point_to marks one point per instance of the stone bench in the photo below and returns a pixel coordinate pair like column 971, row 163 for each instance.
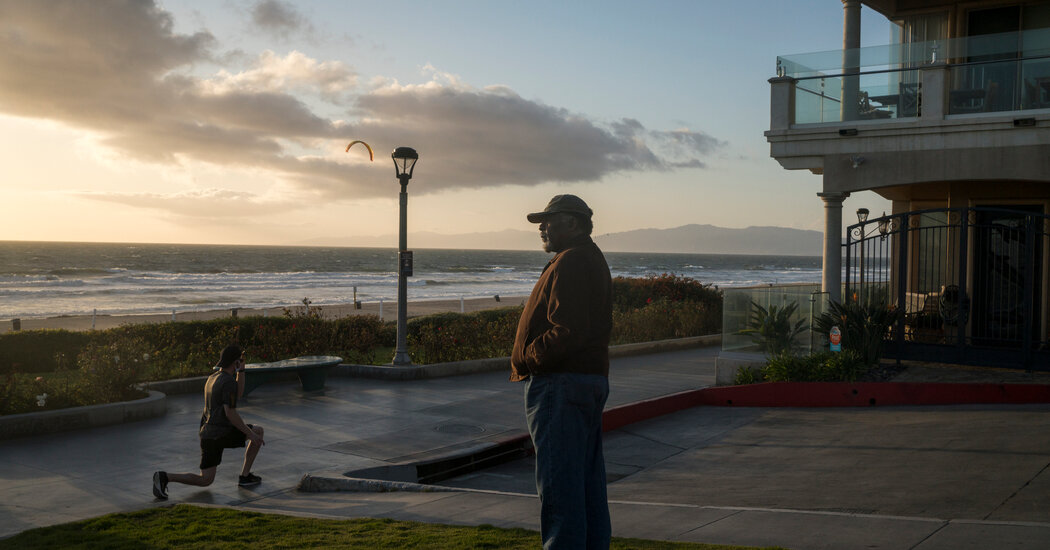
column 312, row 371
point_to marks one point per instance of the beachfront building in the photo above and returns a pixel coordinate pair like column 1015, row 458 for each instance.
column 951, row 123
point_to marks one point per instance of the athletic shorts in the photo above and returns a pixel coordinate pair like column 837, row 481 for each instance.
column 211, row 449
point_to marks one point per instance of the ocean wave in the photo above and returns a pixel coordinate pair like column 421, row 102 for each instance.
column 19, row 280
column 83, row 271
column 46, row 279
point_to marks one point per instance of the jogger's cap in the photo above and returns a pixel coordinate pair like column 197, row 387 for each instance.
column 229, row 355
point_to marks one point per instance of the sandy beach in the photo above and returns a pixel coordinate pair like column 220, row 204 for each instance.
column 389, row 313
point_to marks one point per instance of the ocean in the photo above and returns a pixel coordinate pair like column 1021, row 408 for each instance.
column 47, row 279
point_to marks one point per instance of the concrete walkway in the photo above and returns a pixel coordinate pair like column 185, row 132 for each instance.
column 894, row 477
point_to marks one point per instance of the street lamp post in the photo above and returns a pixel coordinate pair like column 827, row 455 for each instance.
column 404, row 162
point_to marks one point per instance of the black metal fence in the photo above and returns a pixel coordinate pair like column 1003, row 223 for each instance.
column 973, row 283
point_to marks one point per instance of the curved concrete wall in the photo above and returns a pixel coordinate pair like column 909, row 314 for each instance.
column 77, row 418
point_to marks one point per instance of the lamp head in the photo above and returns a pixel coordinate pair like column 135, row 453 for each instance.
column 862, row 215
column 404, row 161
column 884, row 224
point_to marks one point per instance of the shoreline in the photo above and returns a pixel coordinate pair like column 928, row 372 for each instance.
column 416, row 308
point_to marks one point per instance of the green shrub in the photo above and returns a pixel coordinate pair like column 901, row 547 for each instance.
column 109, row 369
column 35, row 350
column 747, row 375
column 105, row 371
column 456, row 337
column 388, row 334
column 664, row 319
column 182, row 349
column 447, row 337
column 15, row 393
column 664, row 306
column 636, row 292
column 847, row 365
column 863, row 326
column 823, row 366
column 273, row 340
column 358, row 336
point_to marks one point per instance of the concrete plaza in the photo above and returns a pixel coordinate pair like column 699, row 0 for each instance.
column 878, row 477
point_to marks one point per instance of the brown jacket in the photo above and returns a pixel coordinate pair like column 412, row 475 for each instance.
column 566, row 323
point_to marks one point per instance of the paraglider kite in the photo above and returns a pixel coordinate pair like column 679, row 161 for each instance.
column 371, row 157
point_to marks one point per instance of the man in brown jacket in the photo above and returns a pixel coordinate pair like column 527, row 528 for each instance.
column 561, row 351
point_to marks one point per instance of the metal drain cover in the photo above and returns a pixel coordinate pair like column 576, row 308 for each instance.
column 459, row 429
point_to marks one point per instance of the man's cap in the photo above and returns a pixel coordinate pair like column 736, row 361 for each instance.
column 230, row 354
column 562, row 204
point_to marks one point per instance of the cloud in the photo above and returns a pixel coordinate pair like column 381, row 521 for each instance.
column 279, row 18
column 294, row 72
column 204, row 203
column 118, row 69
column 478, row 138
column 84, row 62
column 686, row 147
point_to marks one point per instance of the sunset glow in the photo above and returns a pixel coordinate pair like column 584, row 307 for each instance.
column 227, row 122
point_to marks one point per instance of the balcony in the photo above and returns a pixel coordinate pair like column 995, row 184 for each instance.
column 998, row 73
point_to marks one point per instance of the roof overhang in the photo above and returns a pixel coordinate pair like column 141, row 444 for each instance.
column 892, row 8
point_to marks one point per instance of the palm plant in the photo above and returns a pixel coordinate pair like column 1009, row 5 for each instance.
column 772, row 329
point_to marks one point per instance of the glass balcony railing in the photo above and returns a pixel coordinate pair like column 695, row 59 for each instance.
column 739, row 304
column 992, row 86
column 987, row 73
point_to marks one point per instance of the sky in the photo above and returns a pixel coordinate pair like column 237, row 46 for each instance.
column 227, row 121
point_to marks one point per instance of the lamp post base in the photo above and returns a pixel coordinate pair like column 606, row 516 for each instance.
column 401, row 359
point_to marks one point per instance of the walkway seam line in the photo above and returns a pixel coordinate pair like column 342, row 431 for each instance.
column 1019, row 489
column 651, row 440
column 825, row 513
column 928, row 537
column 712, row 522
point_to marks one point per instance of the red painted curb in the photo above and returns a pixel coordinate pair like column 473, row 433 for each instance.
column 623, row 415
column 845, row 394
column 828, row 394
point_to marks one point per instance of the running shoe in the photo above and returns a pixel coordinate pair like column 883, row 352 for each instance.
column 160, row 485
column 249, row 480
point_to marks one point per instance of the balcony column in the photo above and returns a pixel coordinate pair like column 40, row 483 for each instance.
column 782, row 102
column 850, row 59
column 831, row 276
column 934, row 95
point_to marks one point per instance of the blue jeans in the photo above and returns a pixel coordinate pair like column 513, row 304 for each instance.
column 564, row 414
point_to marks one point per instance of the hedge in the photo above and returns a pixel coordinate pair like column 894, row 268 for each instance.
column 101, row 365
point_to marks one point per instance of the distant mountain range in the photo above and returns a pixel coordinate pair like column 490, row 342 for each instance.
column 710, row 239
column 693, row 238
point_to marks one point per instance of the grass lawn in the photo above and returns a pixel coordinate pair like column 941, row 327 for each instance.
column 186, row 526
